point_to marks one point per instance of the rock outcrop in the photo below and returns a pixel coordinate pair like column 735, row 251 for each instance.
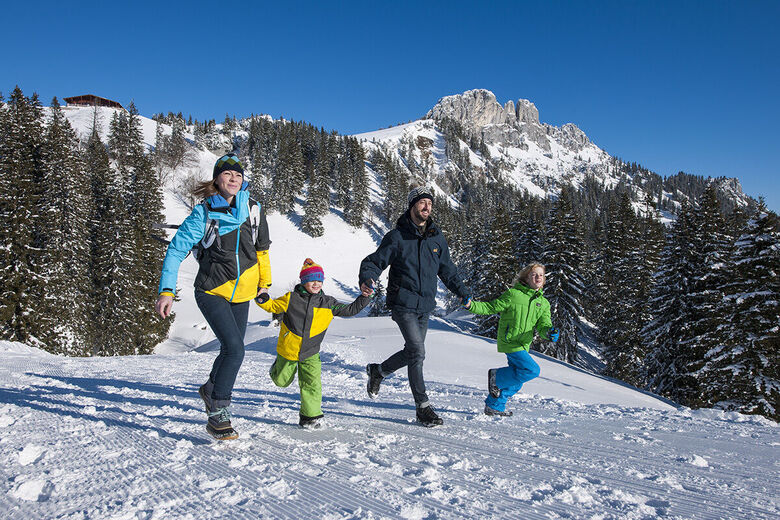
column 513, row 125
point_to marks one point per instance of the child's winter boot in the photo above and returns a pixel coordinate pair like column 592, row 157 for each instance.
column 312, row 423
column 491, row 411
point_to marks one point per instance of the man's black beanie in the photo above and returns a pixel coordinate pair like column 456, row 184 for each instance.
column 419, row 193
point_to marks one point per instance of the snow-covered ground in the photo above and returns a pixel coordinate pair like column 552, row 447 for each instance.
column 124, row 438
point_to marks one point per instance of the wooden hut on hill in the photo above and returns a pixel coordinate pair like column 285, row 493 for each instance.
column 91, row 100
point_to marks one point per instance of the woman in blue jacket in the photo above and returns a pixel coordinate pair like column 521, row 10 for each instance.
column 230, row 235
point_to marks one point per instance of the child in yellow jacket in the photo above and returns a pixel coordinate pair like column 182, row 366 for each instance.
column 307, row 314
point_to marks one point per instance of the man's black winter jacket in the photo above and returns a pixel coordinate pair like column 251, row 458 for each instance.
column 415, row 260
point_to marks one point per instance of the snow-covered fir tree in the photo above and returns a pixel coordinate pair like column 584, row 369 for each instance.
column 618, row 291
column 357, row 198
column 498, row 265
column 289, row 176
column 667, row 364
column 111, row 316
column 742, row 372
column 21, row 164
column 65, row 193
column 143, row 203
column 318, row 194
column 563, row 256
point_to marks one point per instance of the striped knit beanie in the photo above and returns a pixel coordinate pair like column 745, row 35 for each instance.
column 311, row 272
column 227, row 162
column 419, row 193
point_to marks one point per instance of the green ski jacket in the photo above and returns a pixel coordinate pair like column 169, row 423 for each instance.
column 522, row 311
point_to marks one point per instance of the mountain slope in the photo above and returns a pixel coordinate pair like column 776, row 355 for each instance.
column 533, row 156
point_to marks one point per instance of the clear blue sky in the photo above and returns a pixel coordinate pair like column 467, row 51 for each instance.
column 682, row 85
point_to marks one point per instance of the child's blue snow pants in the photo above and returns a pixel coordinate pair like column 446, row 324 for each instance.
column 509, row 380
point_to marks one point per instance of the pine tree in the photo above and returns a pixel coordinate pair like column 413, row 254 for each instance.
column 618, row 291
column 709, row 250
column 394, row 181
column 143, row 201
column 21, row 280
column 318, row 196
column 564, row 286
column 160, row 145
column 355, row 210
column 742, row 373
column 498, row 265
column 288, row 179
column 528, row 234
column 343, row 175
column 111, row 249
column 667, row 367
column 262, row 153
column 177, row 147
column 65, row 194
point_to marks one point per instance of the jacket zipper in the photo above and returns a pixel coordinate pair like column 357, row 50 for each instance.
column 304, row 336
column 419, row 265
column 238, row 264
column 530, row 308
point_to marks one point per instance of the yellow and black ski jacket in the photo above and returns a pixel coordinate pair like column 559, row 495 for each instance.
column 235, row 265
column 306, row 319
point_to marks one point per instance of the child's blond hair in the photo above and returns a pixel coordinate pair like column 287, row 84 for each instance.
column 522, row 276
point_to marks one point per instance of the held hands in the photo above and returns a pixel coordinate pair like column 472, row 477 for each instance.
column 367, row 287
column 553, row 334
column 262, row 296
column 164, row 305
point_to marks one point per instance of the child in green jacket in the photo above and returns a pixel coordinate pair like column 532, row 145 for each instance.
column 307, row 314
column 523, row 310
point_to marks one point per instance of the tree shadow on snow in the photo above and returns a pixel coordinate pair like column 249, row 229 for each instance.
column 267, row 345
column 350, row 290
column 59, row 401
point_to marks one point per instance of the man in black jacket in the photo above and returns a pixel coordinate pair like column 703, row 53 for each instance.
column 417, row 254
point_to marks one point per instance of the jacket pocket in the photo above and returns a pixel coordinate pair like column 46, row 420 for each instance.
column 289, row 344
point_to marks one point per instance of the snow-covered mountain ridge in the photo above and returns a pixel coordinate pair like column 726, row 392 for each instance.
column 532, row 155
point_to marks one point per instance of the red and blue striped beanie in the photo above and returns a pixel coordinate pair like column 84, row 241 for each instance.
column 311, row 272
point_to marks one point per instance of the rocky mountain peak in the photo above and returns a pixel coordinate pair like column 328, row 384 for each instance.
column 481, row 115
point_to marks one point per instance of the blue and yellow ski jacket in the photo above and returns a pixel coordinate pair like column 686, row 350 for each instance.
column 233, row 266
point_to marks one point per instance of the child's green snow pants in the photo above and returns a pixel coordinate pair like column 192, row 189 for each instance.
column 309, row 379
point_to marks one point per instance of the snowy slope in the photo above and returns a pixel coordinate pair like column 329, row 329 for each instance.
column 123, row 438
